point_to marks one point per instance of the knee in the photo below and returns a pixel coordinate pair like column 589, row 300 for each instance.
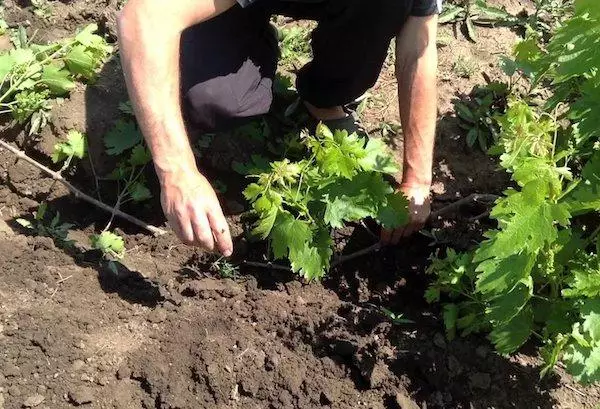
column 220, row 102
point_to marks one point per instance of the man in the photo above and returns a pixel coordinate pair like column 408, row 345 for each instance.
column 218, row 59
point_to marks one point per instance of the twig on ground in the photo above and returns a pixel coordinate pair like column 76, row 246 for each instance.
column 343, row 259
column 576, row 390
column 473, row 198
column 62, row 280
column 80, row 195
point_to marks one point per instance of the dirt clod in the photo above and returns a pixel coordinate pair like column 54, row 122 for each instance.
column 33, row 401
column 405, row 402
column 81, row 396
column 157, row 316
column 480, row 380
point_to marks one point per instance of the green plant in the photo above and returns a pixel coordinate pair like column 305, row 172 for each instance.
column 294, row 45
column 74, row 147
column 397, row 319
column 464, row 67
column 469, row 13
column 109, row 243
column 477, row 114
column 342, row 179
column 126, row 143
column 43, row 225
column 31, row 74
column 538, row 273
column 42, row 9
column 224, row 268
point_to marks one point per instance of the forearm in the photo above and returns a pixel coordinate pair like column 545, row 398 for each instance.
column 417, row 92
column 149, row 36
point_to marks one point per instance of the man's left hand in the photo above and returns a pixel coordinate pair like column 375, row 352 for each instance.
column 419, row 209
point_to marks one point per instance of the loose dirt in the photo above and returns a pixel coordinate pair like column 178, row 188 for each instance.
column 165, row 332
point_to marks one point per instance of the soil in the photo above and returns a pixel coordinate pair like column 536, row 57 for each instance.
column 164, row 331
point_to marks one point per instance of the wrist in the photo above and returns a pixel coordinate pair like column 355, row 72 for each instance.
column 168, row 175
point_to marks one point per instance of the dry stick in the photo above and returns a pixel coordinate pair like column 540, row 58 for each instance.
column 473, row 198
column 80, row 195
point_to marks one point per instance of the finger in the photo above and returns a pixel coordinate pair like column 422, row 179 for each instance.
column 183, row 229
column 202, row 233
column 398, row 233
column 386, row 236
column 408, row 231
column 220, row 230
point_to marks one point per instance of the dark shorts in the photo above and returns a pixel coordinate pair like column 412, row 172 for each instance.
column 228, row 63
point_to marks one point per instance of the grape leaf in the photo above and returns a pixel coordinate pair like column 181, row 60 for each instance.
column 501, row 274
column 590, row 312
column 507, row 338
column 395, row 212
column 507, row 305
column 377, row 158
column 583, row 362
column 108, row 243
column 289, row 235
column 139, row 192
column 140, row 156
column 586, row 194
column 125, row 135
column 57, row 80
column 75, row 146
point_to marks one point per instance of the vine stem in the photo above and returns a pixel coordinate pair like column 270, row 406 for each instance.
column 81, row 195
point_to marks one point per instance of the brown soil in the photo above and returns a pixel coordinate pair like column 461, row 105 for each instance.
column 164, row 332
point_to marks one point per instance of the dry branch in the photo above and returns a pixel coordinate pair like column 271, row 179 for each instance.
column 81, row 195
column 473, row 198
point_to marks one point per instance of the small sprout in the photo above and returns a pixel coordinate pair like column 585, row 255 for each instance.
column 397, row 319
column 110, row 244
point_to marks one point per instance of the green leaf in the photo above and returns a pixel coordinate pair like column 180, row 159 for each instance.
column 377, row 158
column 289, row 235
column 585, row 196
column 74, row 147
column 471, row 33
column 590, row 312
column 395, row 212
column 125, row 135
column 109, row 243
column 139, row 192
column 140, row 156
column 509, row 337
column 355, row 199
column 498, row 275
column 57, row 80
column 583, row 362
column 80, row 62
column 507, row 305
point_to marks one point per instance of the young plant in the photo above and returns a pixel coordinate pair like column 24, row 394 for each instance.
column 74, row 147
column 469, row 13
column 110, row 244
column 342, row 179
column 125, row 142
column 477, row 114
column 43, row 225
column 294, row 44
column 538, row 273
column 31, row 74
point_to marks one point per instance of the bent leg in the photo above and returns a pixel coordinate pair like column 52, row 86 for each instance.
column 350, row 46
column 227, row 68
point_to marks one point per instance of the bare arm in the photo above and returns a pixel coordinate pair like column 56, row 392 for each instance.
column 149, row 35
column 416, row 69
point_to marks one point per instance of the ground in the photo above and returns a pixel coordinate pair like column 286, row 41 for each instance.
column 165, row 332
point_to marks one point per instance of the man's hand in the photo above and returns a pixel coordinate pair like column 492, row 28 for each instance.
column 419, row 209
column 194, row 213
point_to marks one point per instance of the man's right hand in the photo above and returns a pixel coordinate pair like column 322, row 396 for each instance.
column 193, row 211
